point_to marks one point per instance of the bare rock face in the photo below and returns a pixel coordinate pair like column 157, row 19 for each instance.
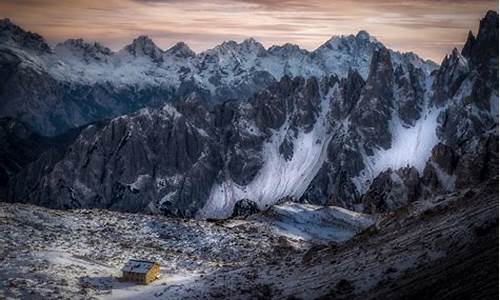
column 445, row 157
column 392, row 190
column 245, row 208
column 352, row 86
column 373, row 110
column 19, row 145
column 410, row 93
column 131, row 161
column 482, row 48
column 438, row 175
column 449, row 77
column 478, row 161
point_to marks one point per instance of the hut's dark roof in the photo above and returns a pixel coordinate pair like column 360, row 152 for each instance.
column 138, row 266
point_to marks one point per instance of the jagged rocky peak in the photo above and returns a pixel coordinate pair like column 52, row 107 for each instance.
column 252, row 45
column 287, row 50
column 469, row 45
column 144, row 46
column 83, row 50
column 228, row 45
column 340, row 53
column 450, row 75
column 455, row 56
column 181, row 50
column 453, row 61
column 351, row 87
column 74, row 43
column 249, row 45
column 413, row 58
column 381, row 69
column 373, row 111
column 364, row 36
column 12, row 34
column 488, row 27
column 222, row 49
column 81, row 43
column 484, row 47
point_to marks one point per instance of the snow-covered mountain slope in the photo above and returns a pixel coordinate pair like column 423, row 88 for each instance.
column 369, row 143
column 87, row 81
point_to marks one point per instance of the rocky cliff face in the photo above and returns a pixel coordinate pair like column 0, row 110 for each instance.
column 371, row 138
column 20, row 145
column 465, row 94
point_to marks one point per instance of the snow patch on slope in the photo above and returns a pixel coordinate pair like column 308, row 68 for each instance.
column 322, row 224
column 278, row 178
column 411, row 146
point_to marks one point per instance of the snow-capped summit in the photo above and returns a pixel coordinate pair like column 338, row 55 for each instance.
column 252, row 45
column 231, row 48
column 81, row 50
column 225, row 47
column 144, row 46
column 181, row 50
column 287, row 50
column 351, row 42
column 363, row 35
column 340, row 53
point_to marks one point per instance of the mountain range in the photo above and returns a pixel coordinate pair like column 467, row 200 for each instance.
column 76, row 83
column 351, row 124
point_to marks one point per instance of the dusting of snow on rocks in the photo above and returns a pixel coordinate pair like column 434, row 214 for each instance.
column 322, row 224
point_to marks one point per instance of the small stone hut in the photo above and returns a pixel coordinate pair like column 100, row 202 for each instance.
column 141, row 271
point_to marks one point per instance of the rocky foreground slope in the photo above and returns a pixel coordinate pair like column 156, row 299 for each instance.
column 445, row 247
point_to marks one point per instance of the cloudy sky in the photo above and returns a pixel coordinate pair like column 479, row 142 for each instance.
column 429, row 28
